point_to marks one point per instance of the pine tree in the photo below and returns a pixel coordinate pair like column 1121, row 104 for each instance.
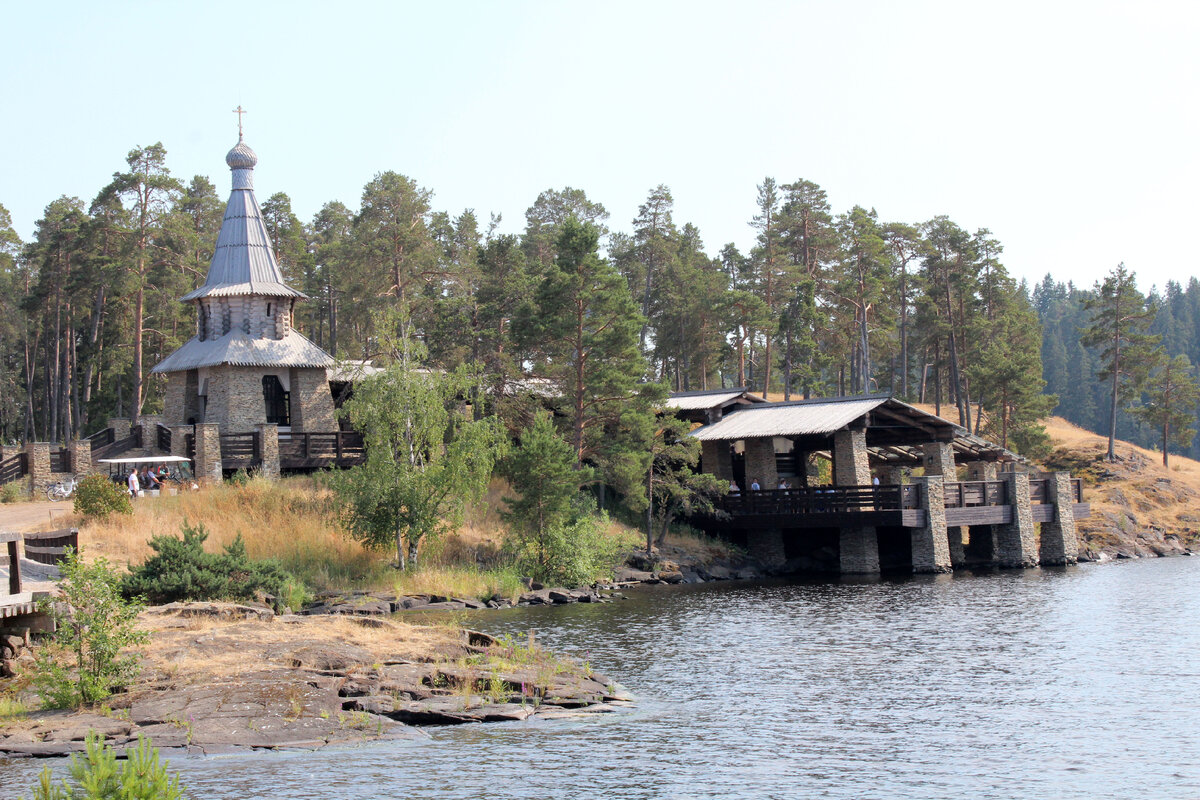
column 1120, row 316
column 587, row 325
column 1172, row 395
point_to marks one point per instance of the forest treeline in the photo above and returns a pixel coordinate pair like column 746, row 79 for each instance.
column 824, row 303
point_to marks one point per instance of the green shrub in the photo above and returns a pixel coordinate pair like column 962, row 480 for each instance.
column 96, row 497
column 83, row 663
column 97, row 776
column 10, row 493
column 240, row 478
column 567, row 553
column 182, row 570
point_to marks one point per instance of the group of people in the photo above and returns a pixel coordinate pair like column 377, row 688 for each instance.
column 146, row 479
column 755, row 486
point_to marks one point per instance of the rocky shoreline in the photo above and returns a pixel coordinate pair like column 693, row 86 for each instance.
column 221, row 677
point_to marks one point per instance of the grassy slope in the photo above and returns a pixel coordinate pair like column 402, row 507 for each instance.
column 292, row 520
column 1138, row 506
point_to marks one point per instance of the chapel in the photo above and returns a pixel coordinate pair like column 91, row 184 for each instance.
column 247, row 365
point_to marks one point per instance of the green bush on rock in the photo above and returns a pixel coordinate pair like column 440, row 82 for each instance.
column 96, row 497
column 84, row 662
column 97, row 776
column 182, row 570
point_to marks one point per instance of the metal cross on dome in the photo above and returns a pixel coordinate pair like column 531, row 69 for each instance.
column 239, row 111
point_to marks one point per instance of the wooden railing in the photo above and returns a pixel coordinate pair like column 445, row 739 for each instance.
column 49, row 547
column 14, row 562
column 14, row 468
column 823, row 499
column 240, row 449
column 189, row 445
column 1039, row 490
column 101, row 438
column 963, row 494
column 117, row 446
column 163, row 438
column 299, row 449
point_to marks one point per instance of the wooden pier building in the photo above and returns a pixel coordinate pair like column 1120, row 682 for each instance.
column 976, row 503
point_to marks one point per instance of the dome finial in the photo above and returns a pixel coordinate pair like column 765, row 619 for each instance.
column 239, row 111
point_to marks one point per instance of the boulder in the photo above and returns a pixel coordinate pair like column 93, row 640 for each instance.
column 214, row 610
column 560, row 596
column 336, row 657
column 627, row 575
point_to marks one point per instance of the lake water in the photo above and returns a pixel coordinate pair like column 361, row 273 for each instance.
column 1075, row 683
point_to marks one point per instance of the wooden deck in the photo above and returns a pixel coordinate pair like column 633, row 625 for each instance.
column 967, row 503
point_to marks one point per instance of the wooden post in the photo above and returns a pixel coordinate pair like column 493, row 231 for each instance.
column 14, row 566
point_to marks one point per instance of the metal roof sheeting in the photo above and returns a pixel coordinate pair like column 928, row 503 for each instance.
column 239, row 349
column 244, row 260
column 691, row 401
column 788, row 419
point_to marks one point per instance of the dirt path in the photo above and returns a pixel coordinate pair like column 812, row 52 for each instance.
column 29, row 516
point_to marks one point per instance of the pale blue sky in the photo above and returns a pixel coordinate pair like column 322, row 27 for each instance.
column 1068, row 129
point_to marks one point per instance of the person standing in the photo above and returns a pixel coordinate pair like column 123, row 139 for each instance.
column 134, row 486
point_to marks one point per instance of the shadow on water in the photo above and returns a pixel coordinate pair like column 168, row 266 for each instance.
column 1073, row 682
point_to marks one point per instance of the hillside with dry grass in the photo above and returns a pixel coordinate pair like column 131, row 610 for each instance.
column 1139, row 507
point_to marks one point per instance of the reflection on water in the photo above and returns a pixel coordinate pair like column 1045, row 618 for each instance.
column 1041, row 683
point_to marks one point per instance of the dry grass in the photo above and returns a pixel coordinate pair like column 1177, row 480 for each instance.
column 204, row 646
column 291, row 520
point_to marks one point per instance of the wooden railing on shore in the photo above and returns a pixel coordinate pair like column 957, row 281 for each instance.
column 163, row 438
column 964, row 494
column 49, row 547
column 823, row 499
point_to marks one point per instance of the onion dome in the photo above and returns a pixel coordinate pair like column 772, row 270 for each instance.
column 241, row 156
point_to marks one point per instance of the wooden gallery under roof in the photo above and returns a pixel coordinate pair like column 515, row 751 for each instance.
column 866, row 517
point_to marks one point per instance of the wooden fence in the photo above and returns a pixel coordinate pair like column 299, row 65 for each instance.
column 163, row 438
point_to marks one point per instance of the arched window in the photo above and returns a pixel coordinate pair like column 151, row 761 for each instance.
column 278, row 402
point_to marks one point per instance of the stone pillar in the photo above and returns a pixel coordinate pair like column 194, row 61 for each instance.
column 268, row 449
column 120, row 426
column 892, row 476
column 179, row 434
column 1059, row 543
column 81, row 456
column 1016, row 542
column 930, row 544
column 149, row 425
column 858, row 551
column 939, row 460
column 208, row 451
column 981, row 471
column 38, row 459
column 850, row 464
column 760, row 463
column 766, row 545
column 716, row 460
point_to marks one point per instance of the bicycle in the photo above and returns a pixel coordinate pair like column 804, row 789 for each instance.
column 62, row 490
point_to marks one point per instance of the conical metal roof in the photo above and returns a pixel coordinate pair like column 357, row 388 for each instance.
column 244, row 261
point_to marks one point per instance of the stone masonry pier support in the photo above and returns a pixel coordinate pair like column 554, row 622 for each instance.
column 931, row 550
column 1059, row 543
column 858, row 551
column 1016, row 542
column 717, row 460
column 851, row 466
